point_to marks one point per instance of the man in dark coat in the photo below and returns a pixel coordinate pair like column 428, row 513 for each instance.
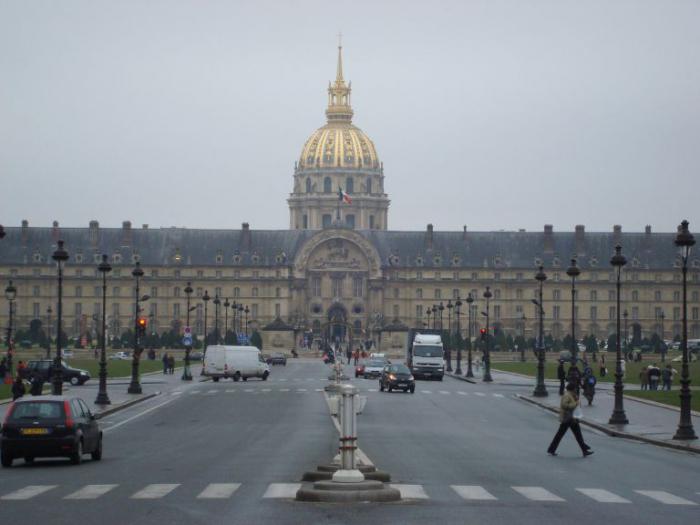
column 17, row 388
column 561, row 375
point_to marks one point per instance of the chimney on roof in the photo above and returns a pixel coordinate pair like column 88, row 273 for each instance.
column 126, row 233
column 55, row 232
column 429, row 237
column 548, row 238
column 579, row 243
column 246, row 238
column 94, row 233
column 144, row 226
column 464, row 233
column 617, row 234
column 25, row 232
column 647, row 229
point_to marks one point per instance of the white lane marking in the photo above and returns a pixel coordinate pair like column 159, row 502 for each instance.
column 444, row 392
column 284, row 390
column 372, row 390
column 91, row 492
column 665, row 497
column 248, row 390
column 281, row 380
column 213, row 392
column 219, row 490
column 282, row 490
column 176, row 393
column 301, row 389
column 155, row 491
column 480, row 394
column 230, row 390
column 497, row 395
column 537, row 494
column 195, row 391
column 411, row 491
column 473, row 492
column 603, row 496
column 28, row 492
column 310, row 379
column 117, row 425
column 265, row 390
column 462, row 393
column 318, row 390
column 426, row 392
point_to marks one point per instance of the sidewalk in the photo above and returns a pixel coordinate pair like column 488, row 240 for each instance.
column 648, row 422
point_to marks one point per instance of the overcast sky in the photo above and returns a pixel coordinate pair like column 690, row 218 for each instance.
column 494, row 114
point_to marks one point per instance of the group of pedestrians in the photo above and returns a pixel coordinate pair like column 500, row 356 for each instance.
column 168, row 363
column 650, row 376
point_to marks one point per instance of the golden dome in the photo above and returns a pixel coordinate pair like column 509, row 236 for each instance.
column 339, row 144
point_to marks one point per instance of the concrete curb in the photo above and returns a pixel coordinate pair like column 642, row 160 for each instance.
column 462, row 378
column 127, row 404
column 653, row 403
column 618, row 433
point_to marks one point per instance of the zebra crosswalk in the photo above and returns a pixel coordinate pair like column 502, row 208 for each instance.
column 362, row 390
column 466, row 493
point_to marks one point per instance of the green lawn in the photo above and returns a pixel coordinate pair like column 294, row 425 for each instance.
column 668, row 398
column 117, row 368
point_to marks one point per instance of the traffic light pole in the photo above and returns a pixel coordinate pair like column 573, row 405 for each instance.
column 135, row 385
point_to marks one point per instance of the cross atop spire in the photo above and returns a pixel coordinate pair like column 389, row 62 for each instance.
column 339, row 71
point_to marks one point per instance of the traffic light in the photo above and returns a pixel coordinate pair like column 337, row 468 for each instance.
column 483, row 334
column 142, row 323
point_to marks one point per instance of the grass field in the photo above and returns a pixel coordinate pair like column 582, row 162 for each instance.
column 667, row 398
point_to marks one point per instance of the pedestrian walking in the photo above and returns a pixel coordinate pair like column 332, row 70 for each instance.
column 603, row 369
column 166, row 363
column 568, row 404
column 644, row 378
column 356, row 356
column 588, row 382
column 561, row 375
column 171, row 364
column 667, row 377
column 574, row 377
column 348, row 353
column 654, row 376
column 37, row 385
column 17, row 388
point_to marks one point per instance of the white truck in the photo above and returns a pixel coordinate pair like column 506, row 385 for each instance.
column 426, row 356
column 235, row 362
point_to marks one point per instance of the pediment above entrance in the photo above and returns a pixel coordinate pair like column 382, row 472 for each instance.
column 337, row 251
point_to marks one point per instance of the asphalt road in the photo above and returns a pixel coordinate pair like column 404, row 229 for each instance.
column 233, row 453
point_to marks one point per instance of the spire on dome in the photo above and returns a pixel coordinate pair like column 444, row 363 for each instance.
column 339, row 93
column 339, row 71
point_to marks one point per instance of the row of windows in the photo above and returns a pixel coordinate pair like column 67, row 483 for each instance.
column 177, row 274
column 328, row 185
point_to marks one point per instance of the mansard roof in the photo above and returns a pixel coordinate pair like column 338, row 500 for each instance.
column 398, row 249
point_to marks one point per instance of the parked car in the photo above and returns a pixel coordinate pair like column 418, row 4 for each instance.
column 397, row 376
column 196, row 356
column 44, row 367
column 277, row 358
column 373, row 368
column 49, row 426
column 120, row 356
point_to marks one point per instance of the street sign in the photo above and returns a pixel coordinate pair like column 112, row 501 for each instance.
column 242, row 339
column 187, row 339
column 188, row 330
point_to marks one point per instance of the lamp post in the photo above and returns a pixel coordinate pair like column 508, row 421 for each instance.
column 186, row 372
column 234, row 308
column 540, row 388
column 205, row 298
column 60, row 256
column 685, row 241
column 449, row 332
column 573, row 272
column 217, row 303
column 618, row 416
column 470, row 300
column 487, row 355
column 434, row 315
column 458, row 306
column 49, row 311
column 10, row 294
column 246, row 321
column 135, row 385
column 441, row 308
column 226, row 305
column 240, row 318
column 625, row 315
column 663, row 332
column 428, row 311
column 102, row 398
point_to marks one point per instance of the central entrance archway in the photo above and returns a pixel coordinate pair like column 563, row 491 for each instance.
column 337, row 328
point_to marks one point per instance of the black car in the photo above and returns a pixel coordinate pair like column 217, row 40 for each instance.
column 49, row 426
column 277, row 358
column 397, row 376
column 44, row 367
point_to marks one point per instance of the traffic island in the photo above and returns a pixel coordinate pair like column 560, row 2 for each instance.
column 346, row 482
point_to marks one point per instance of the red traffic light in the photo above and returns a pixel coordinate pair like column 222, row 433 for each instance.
column 142, row 322
column 483, row 331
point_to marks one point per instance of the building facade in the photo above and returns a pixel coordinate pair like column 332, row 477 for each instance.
column 340, row 271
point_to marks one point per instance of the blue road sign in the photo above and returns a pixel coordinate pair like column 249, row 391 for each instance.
column 242, row 339
column 187, row 340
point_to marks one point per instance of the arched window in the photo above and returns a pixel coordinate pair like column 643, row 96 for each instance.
column 349, row 185
column 369, row 184
column 327, row 185
column 308, row 185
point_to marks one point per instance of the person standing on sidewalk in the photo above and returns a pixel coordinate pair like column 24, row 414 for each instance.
column 567, row 405
column 644, row 378
column 561, row 375
column 654, row 376
column 667, row 377
column 166, row 363
column 171, row 364
column 17, row 388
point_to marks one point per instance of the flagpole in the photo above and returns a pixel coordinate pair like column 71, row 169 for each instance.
column 340, row 198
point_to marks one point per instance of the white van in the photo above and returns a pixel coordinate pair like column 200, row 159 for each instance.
column 236, row 362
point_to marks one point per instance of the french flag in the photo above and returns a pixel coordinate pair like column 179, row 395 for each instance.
column 342, row 196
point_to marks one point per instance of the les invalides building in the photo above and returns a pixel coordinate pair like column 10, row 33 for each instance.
column 340, row 271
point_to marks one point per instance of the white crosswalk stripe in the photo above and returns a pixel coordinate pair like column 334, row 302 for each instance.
column 473, row 492
column 219, row 490
column 230, row 390
column 426, row 392
column 176, row 393
column 155, row 491
column 411, row 491
column 665, row 497
column 248, row 390
column 213, row 392
column 91, row 492
column 282, row 490
column 537, row 494
column 28, row 492
column 480, row 394
column 445, row 392
column 603, row 496
column 318, row 390
column 265, row 390
column 497, row 395
column 462, row 393
column 195, row 391
column 301, row 389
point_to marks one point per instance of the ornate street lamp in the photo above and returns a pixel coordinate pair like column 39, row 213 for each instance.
column 428, row 311
column 205, row 298
column 234, row 307
column 246, row 321
column 226, row 306
column 102, row 398
column 216, row 302
column 441, row 308
column 618, row 416
column 10, row 294
column 663, row 333
column 458, row 306
column 449, row 333
column 685, row 241
column 487, row 355
column 573, row 272
column 540, row 388
column 434, row 315
column 60, row 256
column 186, row 372
column 49, row 311
column 470, row 300
column 627, row 346
column 135, row 385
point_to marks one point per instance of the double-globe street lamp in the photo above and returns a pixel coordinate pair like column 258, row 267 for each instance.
column 226, row 305
column 618, row 416
column 10, row 295
column 428, row 311
column 685, row 241
column 540, row 388
column 102, row 398
column 487, row 354
column 573, row 272
column 60, row 256
column 186, row 373
column 135, row 385
column 458, row 307
column 470, row 300
column 449, row 334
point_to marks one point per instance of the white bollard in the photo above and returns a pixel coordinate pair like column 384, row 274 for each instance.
column 348, row 472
